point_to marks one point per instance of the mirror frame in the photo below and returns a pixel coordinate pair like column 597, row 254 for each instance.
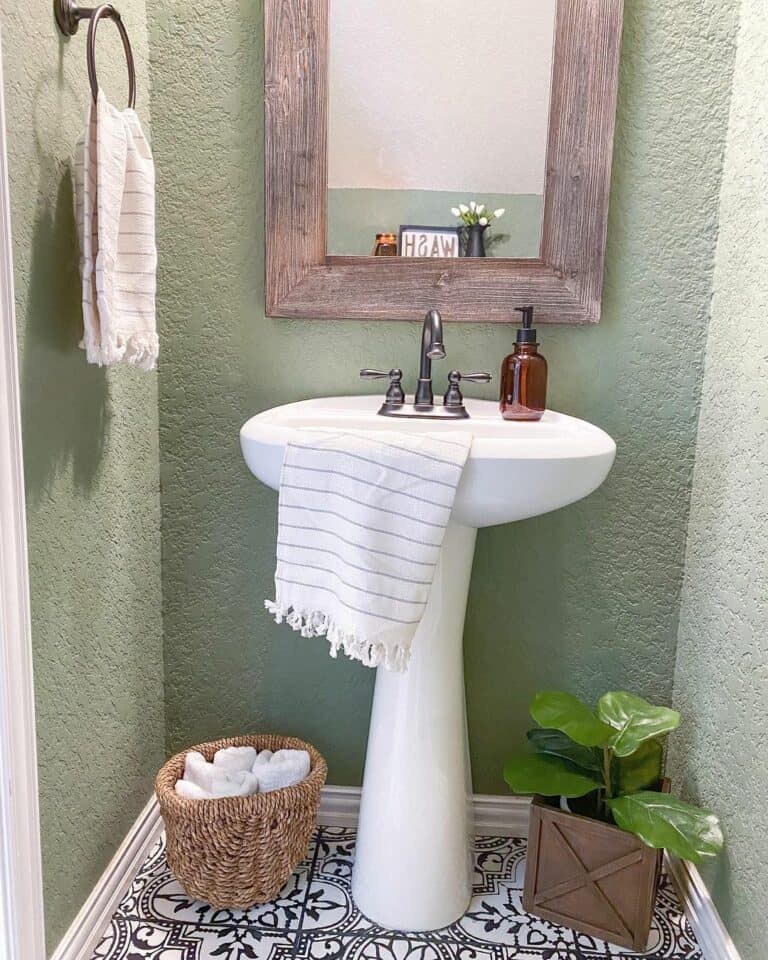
column 564, row 282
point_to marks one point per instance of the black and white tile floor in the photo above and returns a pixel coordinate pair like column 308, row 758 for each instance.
column 314, row 918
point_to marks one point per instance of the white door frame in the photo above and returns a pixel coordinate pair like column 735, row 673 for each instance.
column 21, row 891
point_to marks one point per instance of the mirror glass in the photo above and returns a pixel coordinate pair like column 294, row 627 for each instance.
column 433, row 106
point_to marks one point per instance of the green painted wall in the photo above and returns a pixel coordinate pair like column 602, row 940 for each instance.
column 721, row 680
column 586, row 597
column 91, row 459
column 355, row 216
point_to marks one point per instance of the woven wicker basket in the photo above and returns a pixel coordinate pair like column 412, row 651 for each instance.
column 238, row 851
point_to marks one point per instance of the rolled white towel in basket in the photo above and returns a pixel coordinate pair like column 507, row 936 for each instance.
column 191, row 791
column 235, row 758
column 230, row 776
column 217, row 782
column 264, row 756
column 283, row 769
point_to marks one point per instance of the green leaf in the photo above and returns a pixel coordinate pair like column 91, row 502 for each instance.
column 550, row 776
column 640, row 769
column 563, row 711
column 665, row 823
column 559, row 744
column 634, row 720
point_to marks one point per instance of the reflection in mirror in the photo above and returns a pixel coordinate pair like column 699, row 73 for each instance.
column 433, row 105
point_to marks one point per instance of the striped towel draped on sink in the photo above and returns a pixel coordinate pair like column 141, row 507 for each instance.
column 361, row 522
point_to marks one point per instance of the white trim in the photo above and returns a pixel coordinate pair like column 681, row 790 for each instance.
column 21, row 894
column 712, row 937
column 88, row 927
column 492, row 816
column 339, row 806
column 500, row 816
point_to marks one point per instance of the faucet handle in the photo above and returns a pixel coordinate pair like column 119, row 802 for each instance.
column 395, row 394
column 453, row 396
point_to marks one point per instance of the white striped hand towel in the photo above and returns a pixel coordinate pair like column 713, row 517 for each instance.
column 115, row 214
column 360, row 527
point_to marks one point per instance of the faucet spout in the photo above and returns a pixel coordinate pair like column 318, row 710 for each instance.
column 431, row 349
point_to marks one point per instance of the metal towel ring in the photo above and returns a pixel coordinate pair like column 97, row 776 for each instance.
column 68, row 16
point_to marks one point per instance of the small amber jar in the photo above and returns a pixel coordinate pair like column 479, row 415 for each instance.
column 386, row 245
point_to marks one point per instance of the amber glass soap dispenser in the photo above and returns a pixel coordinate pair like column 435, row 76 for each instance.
column 524, row 375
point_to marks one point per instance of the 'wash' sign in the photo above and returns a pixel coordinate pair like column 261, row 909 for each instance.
column 429, row 241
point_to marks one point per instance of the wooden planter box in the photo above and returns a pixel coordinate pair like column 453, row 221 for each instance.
column 590, row 876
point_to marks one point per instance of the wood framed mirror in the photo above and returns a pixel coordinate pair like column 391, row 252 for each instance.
column 564, row 282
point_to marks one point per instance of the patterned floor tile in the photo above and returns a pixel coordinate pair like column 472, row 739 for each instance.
column 383, row 946
column 330, row 906
column 150, row 940
column 315, row 918
column 498, row 858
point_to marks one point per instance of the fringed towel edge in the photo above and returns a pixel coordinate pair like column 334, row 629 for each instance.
column 315, row 623
column 140, row 348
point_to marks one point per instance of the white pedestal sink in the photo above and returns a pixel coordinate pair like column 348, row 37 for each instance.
column 412, row 865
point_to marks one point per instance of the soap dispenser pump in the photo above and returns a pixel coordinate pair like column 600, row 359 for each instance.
column 524, row 375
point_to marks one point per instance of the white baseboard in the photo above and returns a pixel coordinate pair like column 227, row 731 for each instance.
column 500, row 816
column 80, row 941
column 712, row 937
column 340, row 807
column 493, row 816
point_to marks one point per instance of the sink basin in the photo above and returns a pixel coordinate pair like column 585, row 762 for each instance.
column 515, row 470
column 413, row 868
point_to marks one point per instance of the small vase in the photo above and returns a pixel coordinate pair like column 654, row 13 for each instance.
column 476, row 240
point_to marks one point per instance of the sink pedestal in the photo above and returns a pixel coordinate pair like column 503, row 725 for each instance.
column 413, row 868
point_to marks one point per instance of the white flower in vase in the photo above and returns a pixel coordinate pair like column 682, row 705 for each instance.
column 476, row 214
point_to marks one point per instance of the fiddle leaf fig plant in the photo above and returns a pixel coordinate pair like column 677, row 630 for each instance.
column 566, row 713
column 634, row 720
column 613, row 757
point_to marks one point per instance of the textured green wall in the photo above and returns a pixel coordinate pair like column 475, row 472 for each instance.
column 721, row 680
column 91, row 459
column 586, row 597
